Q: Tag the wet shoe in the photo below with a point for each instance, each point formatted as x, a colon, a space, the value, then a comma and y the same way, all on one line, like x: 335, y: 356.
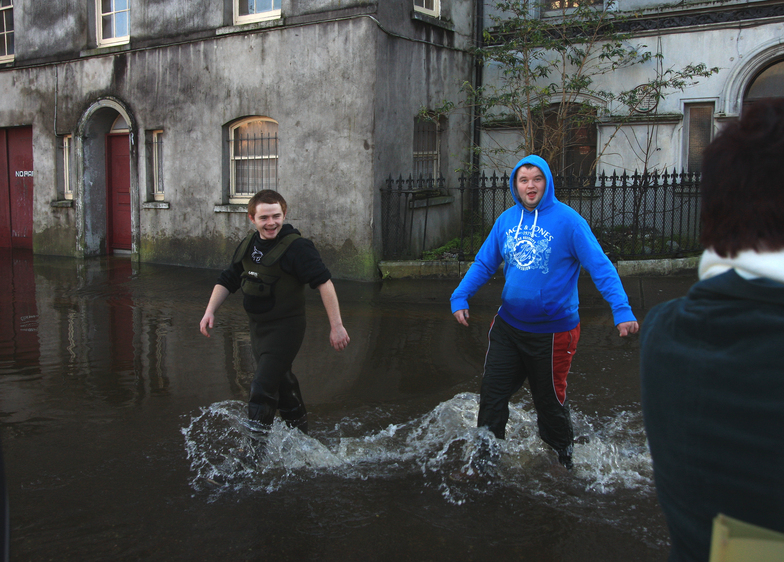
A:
x: 565, y: 457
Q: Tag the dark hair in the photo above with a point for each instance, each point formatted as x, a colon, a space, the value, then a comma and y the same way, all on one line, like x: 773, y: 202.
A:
x: 743, y: 183
x: 266, y: 196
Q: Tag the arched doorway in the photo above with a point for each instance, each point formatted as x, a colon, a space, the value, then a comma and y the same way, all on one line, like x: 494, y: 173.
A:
x: 768, y: 83
x: 107, y: 183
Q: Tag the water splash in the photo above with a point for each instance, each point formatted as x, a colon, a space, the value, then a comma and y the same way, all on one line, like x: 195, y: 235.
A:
x: 228, y: 453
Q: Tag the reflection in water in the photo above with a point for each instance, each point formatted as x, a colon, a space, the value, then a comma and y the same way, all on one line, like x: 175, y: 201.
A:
x: 109, y: 397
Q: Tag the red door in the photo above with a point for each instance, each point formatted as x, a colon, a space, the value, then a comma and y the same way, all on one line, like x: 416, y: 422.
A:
x: 118, y: 188
x: 16, y: 187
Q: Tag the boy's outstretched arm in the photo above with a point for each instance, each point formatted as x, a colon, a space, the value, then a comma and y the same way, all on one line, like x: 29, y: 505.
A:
x: 219, y: 294
x: 338, y: 337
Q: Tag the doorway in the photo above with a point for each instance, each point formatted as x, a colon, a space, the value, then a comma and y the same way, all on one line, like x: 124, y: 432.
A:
x: 118, y: 192
x: 16, y: 188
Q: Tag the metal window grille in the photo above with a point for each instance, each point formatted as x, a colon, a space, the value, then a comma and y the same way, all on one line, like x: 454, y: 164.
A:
x: 157, y: 166
x: 115, y: 19
x: 6, y: 29
x: 254, y: 158
x: 426, y: 149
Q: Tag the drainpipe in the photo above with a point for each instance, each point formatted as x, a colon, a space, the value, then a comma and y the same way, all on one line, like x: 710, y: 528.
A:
x: 478, y: 70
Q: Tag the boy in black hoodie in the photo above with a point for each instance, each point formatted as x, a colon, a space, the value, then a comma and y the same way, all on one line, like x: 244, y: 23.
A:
x: 272, y: 265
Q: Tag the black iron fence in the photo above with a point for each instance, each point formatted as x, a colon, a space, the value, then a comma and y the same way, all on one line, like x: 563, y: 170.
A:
x: 632, y: 215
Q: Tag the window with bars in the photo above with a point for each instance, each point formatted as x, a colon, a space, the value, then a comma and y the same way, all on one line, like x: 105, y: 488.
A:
x: 698, y: 132
x: 247, y: 11
x: 6, y: 31
x: 114, y: 23
x: 253, y: 156
x: 429, y: 7
x: 427, y: 149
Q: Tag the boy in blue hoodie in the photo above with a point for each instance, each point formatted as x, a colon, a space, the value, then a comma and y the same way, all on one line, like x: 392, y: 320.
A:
x: 542, y: 243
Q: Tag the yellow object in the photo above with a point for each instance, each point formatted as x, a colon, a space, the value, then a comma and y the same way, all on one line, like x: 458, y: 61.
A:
x: 736, y: 541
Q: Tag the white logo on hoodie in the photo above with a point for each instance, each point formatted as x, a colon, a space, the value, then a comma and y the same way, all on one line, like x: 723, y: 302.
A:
x: 528, y: 249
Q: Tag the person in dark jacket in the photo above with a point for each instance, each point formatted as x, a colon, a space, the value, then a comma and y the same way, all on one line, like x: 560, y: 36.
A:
x: 712, y: 375
x: 271, y: 266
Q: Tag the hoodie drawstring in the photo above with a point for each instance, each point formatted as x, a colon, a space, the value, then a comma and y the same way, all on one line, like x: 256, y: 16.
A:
x: 522, y: 214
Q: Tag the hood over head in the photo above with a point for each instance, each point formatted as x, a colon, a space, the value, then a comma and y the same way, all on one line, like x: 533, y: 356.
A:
x: 549, y: 193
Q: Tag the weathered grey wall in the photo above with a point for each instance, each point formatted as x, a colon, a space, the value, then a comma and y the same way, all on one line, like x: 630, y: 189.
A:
x: 342, y: 85
x: 421, y: 73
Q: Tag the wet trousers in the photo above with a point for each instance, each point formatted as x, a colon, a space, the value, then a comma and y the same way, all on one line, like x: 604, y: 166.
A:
x: 274, y: 388
x: 544, y: 359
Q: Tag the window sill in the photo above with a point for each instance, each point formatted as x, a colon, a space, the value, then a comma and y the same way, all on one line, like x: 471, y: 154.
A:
x: 105, y: 50
x: 62, y: 204
x: 231, y: 209
x: 432, y: 20
x: 155, y: 205
x: 250, y: 26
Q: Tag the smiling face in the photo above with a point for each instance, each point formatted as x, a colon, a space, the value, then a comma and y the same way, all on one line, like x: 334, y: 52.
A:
x: 530, y: 184
x: 268, y: 220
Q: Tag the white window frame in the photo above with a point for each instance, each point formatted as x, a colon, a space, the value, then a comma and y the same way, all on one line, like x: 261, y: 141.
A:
x: 112, y: 13
x: 67, y: 187
x: 428, y: 7
x: 260, y: 12
x: 6, y: 12
x: 242, y: 198
x: 157, y: 165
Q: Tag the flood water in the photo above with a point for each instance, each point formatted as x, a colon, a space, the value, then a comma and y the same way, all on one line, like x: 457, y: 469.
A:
x: 123, y: 436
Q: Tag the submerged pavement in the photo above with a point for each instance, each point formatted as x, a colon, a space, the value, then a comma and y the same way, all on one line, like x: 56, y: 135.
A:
x: 118, y: 425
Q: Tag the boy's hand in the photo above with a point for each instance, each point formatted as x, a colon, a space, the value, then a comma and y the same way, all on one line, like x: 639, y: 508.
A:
x: 338, y: 338
x: 461, y: 316
x: 627, y: 328
x: 207, y: 322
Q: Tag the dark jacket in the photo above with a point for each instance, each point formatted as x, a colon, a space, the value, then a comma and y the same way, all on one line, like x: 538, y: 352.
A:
x: 713, y: 402
x: 301, y: 261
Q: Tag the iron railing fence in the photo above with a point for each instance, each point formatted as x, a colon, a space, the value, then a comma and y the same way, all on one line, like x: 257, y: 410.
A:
x: 639, y: 215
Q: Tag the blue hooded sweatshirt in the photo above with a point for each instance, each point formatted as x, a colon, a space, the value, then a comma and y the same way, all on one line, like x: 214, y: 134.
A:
x: 542, y: 251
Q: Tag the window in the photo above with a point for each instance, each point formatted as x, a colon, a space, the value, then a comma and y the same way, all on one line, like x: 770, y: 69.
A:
x: 698, y: 132
x: 155, y: 164
x: 568, y: 139
x: 253, y: 156
x: 113, y: 22
x: 429, y: 7
x: 767, y: 84
x: 248, y: 11
x: 427, y: 149
x: 6, y: 30
x: 67, y: 184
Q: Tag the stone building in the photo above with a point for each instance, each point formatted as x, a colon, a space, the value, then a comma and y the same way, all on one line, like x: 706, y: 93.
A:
x: 138, y: 127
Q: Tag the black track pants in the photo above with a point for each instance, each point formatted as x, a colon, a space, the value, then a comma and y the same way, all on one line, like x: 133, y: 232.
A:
x: 544, y: 359
x: 275, y: 344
